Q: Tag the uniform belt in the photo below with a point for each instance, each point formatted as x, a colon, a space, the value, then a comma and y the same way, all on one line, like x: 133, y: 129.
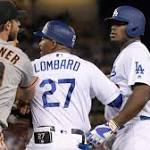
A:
x: 73, y: 131
x: 43, y: 137
x: 144, y: 117
x: 77, y: 131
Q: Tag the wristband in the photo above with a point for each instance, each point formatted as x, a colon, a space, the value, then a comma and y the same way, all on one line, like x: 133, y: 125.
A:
x: 113, y: 125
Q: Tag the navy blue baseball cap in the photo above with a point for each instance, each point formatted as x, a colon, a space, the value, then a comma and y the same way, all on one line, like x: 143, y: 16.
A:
x: 9, y: 11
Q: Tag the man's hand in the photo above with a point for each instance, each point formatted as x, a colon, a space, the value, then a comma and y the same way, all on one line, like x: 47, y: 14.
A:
x: 2, y: 143
x: 101, y: 133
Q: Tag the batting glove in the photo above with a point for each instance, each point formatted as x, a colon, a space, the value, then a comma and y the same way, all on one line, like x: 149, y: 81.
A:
x: 102, y: 133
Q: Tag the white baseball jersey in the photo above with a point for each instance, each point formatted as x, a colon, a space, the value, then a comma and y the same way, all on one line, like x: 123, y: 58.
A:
x: 15, y: 69
x: 131, y: 66
x: 64, y: 91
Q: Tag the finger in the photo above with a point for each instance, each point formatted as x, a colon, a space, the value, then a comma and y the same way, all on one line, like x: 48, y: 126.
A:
x: 24, y: 110
x: 2, y: 143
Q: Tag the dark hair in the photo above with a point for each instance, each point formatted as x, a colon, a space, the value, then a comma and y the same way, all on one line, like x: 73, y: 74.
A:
x: 8, y: 11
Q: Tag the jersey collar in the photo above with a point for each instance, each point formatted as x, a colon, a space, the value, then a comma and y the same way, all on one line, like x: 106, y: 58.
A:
x: 4, y: 42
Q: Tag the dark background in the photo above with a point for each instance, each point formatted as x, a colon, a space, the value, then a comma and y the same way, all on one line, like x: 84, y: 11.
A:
x: 106, y: 7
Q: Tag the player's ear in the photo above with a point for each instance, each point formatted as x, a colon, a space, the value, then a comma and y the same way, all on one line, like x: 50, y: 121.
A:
x: 7, y: 26
x: 54, y: 43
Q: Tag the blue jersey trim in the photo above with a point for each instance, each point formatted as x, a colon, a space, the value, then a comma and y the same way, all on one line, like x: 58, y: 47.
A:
x: 117, y: 102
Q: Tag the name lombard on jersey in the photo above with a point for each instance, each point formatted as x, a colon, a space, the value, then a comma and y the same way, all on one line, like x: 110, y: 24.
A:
x: 57, y: 64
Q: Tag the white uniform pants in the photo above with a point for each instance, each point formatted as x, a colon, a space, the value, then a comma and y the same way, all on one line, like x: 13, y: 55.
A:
x: 60, y: 141
x: 134, y: 136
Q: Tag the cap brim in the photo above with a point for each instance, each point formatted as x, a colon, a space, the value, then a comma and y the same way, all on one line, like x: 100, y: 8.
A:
x: 39, y: 34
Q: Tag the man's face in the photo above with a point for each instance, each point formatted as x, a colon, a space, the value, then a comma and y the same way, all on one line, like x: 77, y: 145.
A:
x: 118, y: 33
x: 15, y: 26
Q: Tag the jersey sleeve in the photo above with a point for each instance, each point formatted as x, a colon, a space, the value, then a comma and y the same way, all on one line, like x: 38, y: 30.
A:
x: 139, y: 71
x: 27, y: 74
x: 102, y: 88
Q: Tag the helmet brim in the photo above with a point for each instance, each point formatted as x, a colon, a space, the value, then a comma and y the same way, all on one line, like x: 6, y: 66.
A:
x: 112, y: 21
x: 39, y: 34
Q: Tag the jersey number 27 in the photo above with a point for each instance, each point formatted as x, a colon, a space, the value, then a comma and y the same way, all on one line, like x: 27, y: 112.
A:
x: 53, y: 89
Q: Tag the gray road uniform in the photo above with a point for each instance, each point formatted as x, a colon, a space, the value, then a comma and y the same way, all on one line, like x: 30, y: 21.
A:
x: 15, y: 70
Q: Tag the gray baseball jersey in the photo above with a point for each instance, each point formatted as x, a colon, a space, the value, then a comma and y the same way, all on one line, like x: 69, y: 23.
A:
x: 15, y: 70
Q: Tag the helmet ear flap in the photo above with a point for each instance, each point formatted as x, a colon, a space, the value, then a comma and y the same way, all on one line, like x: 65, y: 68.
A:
x: 132, y: 30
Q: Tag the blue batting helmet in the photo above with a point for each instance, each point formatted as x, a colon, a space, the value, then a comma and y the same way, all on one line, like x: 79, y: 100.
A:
x: 58, y: 31
x: 134, y: 18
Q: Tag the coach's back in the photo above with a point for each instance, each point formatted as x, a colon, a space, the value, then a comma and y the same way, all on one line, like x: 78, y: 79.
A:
x: 63, y: 95
x: 67, y: 83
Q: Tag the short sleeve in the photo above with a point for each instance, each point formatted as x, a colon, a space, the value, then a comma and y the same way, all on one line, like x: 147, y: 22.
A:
x: 139, y: 71
x: 27, y: 74
x: 102, y: 88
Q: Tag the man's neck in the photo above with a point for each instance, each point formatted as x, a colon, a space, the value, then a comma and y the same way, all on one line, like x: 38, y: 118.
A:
x: 3, y: 36
x: 62, y: 49
x: 128, y: 42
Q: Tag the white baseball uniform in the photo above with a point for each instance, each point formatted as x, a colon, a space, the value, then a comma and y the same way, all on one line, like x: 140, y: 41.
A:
x: 15, y: 70
x: 132, y: 66
x: 62, y: 99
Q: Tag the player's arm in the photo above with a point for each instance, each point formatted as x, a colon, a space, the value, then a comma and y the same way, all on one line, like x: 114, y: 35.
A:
x: 2, y: 142
x: 104, y: 89
x: 135, y: 103
x: 109, y: 94
x: 138, y: 79
x: 102, y: 133
x: 28, y: 81
x: 26, y: 94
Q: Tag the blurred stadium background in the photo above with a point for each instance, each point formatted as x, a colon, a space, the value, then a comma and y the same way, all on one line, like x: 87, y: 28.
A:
x: 87, y: 18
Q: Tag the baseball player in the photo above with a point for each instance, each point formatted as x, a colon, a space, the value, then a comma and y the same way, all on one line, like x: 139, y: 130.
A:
x: 130, y: 72
x: 15, y: 67
x: 67, y: 83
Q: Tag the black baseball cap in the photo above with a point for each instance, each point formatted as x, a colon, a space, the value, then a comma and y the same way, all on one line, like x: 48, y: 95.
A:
x: 9, y: 11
